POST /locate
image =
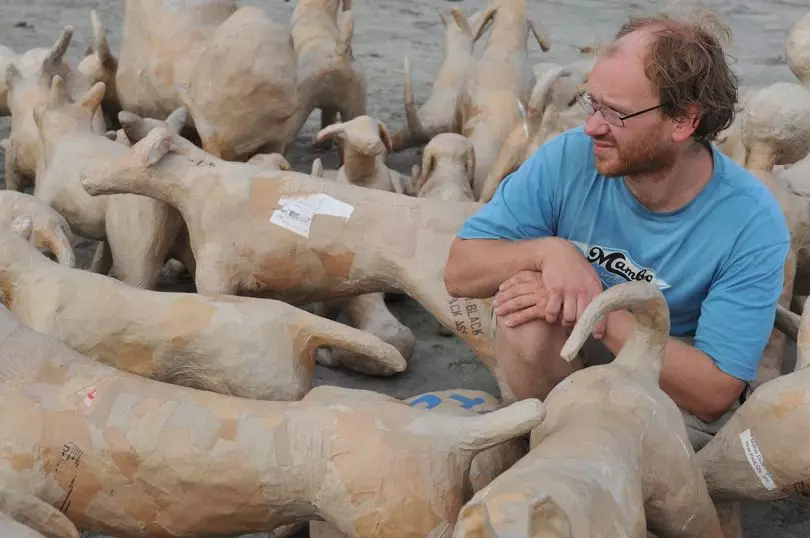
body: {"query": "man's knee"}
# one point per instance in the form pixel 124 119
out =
pixel 530 341
pixel 532 349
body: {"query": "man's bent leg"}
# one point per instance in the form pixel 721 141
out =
pixel 700 432
pixel 527 359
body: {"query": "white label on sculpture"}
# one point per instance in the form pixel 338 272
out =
pixel 296 214
pixel 756 460
pixel 294 217
pixel 322 204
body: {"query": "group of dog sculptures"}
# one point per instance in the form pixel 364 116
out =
pixel 137 412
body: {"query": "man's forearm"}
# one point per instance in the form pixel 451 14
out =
pixel 695 383
pixel 689 376
pixel 476 267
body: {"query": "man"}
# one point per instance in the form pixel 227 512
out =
pixel 638 193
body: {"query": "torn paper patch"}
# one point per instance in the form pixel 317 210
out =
pixel 756 460
pixel 296 214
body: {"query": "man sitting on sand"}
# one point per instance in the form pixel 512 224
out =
pixel 639 193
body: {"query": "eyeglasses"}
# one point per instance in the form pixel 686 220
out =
pixel 610 115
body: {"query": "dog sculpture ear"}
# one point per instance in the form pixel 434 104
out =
pixel 92 99
pixel 154 146
pixel 51 62
pixel 461 21
pixel 481 21
pixel 13 76
pixel 541 36
pixel 443 17
pixel 58 94
pixel 317 168
pixel 177 120
pixel 336 130
pixel 386 137
pixel 428 164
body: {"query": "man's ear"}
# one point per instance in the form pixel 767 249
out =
pixel 687 124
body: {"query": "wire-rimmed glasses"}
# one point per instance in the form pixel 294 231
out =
pixel 610 115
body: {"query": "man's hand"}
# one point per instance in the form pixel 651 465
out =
pixel 520 299
pixel 565 284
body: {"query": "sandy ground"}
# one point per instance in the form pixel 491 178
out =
pixel 385 30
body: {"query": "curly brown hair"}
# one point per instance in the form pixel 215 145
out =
pixel 686 61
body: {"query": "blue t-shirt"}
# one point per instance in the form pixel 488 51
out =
pixel 719 260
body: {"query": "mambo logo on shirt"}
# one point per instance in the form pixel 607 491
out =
pixel 616 266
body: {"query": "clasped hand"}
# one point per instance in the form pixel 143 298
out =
pixel 561 290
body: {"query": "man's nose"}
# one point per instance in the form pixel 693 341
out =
pixel 596 125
